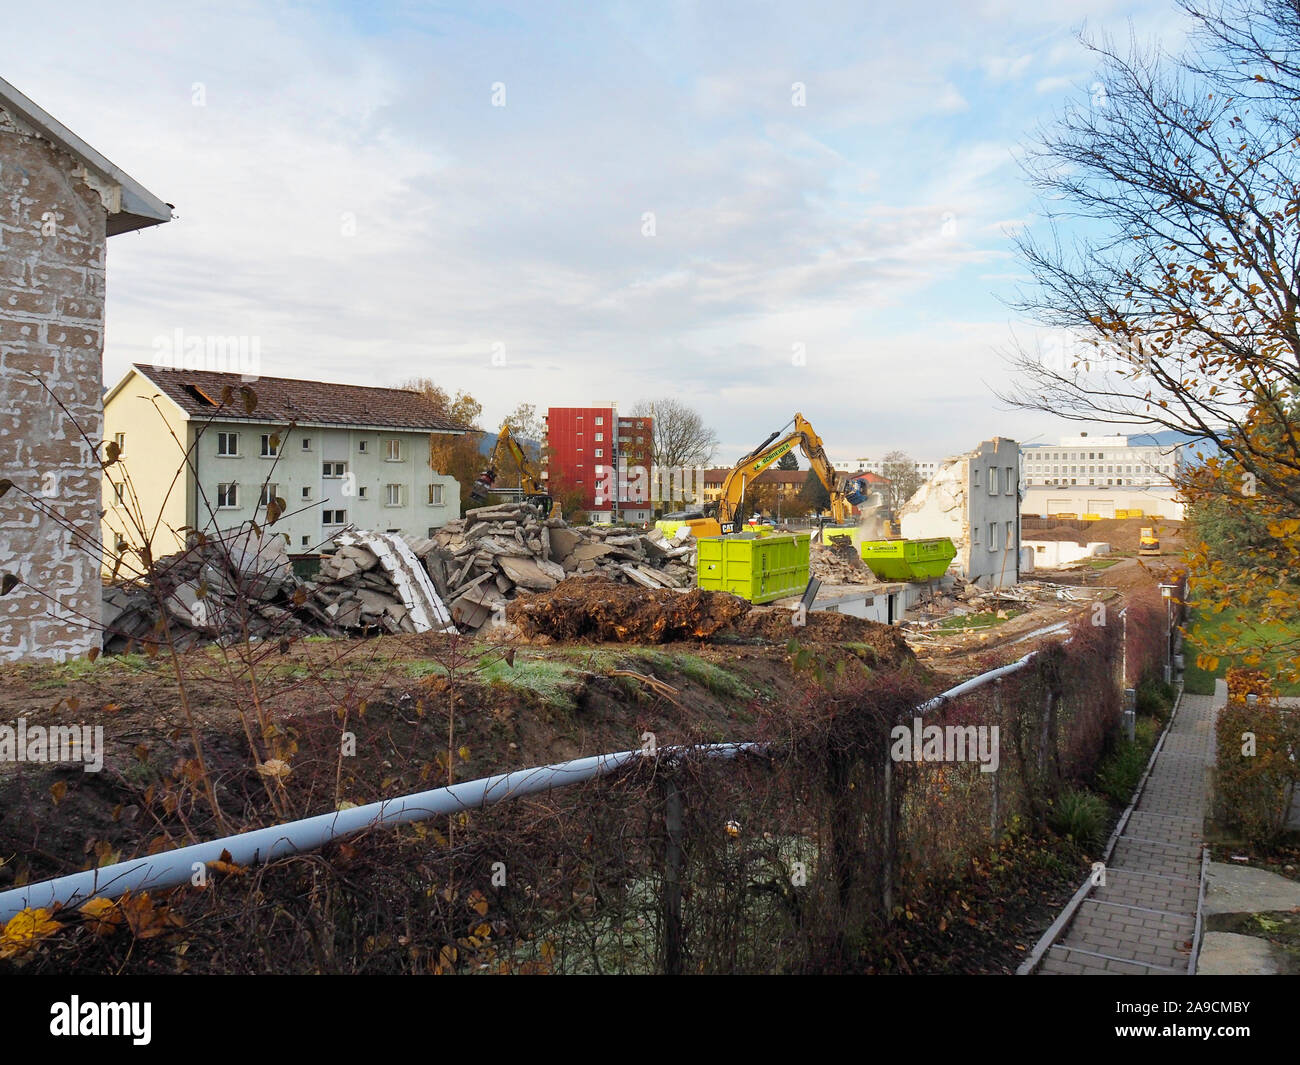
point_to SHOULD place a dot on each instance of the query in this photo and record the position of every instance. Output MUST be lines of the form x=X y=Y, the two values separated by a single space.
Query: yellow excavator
x=722 y=516
x=530 y=487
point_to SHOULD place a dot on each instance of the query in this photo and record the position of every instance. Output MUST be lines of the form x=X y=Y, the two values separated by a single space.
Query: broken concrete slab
x=1244 y=889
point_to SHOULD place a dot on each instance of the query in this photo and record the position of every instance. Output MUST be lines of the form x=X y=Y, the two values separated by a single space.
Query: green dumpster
x=908 y=560
x=757 y=568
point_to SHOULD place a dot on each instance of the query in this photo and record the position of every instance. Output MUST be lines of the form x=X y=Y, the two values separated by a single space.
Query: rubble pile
x=485 y=558
x=382 y=582
x=200 y=590
x=838 y=562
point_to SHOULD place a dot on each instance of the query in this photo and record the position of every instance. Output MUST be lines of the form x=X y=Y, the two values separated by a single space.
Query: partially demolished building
x=974 y=499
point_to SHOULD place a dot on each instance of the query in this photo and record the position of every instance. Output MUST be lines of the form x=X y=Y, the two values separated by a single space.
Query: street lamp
x=1167 y=590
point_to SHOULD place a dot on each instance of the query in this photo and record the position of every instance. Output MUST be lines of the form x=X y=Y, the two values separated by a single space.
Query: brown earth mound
x=822 y=627
x=595 y=608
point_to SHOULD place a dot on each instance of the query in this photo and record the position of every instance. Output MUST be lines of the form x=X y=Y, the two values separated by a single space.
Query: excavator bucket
x=855 y=491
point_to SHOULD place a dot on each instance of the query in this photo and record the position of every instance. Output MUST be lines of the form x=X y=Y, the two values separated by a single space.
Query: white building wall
x=975 y=501
x=359 y=490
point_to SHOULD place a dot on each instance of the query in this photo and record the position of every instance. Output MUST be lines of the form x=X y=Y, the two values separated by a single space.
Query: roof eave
x=139 y=208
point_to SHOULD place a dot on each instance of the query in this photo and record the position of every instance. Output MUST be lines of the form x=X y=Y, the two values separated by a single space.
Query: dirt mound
x=1056 y=532
x=595 y=608
x=822 y=627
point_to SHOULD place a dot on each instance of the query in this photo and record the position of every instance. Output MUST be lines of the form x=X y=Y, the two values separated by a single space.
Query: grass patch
x=708 y=675
x=1080 y=816
x=1101 y=563
x=973 y=622
x=1198 y=681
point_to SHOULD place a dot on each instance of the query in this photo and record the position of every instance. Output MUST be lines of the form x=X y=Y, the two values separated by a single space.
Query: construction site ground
x=587 y=667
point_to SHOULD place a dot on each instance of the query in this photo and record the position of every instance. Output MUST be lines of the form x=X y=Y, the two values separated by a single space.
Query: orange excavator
x=722 y=516
x=530 y=487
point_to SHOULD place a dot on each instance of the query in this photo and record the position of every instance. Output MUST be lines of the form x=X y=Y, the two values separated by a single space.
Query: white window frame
x=393 y=450
x=270 y=490
x=230 y=490
x=306 y=443
x=269 y=451
x=389 y=493
x=331 y=471
x=363 y=446
x=333 y=517
x=224 y=440
x=436 y=495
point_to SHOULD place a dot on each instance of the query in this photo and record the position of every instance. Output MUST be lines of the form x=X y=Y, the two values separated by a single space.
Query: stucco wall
x=52 y=243
x=974 y=500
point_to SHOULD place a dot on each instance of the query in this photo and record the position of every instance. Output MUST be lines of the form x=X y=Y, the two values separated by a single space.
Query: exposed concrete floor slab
x=1232 y=954
x=1242 y=889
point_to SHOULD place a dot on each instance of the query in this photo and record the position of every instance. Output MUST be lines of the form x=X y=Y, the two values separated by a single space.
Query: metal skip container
x=758 y=568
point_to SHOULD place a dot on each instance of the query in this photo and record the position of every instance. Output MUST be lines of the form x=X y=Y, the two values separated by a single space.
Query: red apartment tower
x=584 y=448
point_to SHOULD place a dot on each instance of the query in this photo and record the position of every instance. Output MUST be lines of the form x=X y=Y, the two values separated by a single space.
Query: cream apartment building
x=339 y=456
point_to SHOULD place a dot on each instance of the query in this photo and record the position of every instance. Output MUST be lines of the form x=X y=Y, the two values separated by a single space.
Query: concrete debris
x=458 y=580
x=839 y=563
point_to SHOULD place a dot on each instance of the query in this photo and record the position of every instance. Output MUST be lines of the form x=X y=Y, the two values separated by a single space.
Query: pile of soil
x=823 y=627
x=596 y=608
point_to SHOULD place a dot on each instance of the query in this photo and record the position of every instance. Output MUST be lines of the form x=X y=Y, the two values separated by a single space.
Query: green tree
x=788 y=461
x=814 y=495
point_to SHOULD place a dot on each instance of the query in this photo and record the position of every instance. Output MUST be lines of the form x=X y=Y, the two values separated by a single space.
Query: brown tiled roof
x=283 y=399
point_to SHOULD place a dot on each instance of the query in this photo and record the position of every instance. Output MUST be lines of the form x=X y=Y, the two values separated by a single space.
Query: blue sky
x=869 y=226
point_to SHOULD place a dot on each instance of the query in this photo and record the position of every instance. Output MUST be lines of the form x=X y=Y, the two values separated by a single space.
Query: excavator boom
x=845 y=492
x=530 y=487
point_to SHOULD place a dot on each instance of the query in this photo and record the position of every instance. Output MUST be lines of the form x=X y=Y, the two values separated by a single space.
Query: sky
x=757 y=209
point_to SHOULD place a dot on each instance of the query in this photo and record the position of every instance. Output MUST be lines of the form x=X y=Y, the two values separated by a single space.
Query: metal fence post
x=672 y=897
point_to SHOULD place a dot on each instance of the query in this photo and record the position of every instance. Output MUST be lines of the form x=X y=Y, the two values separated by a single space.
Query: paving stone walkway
x=1142 y=920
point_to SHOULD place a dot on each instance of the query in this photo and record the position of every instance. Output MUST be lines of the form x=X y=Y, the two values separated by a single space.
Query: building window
x=269 y=492
x=993 y=480
x=270 y=445
x=120 y=440
x=1011 y=533
x=599 y=419
x=392 y=495
x=1011 y=480
x=333 y=517
x=363 y=445
x=306 y=492
x=394 y=451
x=600 y=452
x=119 y=543
x=993 y=536
x=228 y=444
x=118 y=489
x=975 y=477
x=361 y=492
x=306 y=443
x=227 y=496
x=334 y=469
x=306 y=541
x=435 y=495
x=975 y=536
x=600 y=437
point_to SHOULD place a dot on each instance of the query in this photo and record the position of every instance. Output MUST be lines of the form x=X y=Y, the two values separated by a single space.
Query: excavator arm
x=529 y=485
x=845 y=492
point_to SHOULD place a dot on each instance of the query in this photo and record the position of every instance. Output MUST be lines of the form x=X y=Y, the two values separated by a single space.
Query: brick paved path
x=1142 y=920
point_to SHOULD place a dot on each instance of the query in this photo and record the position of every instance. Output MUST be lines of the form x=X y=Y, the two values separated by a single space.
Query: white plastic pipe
x=172 y=868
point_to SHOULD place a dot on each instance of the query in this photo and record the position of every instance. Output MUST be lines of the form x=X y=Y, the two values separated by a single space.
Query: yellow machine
x=1148 y=544
x=722 y=516
x=530 y=487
